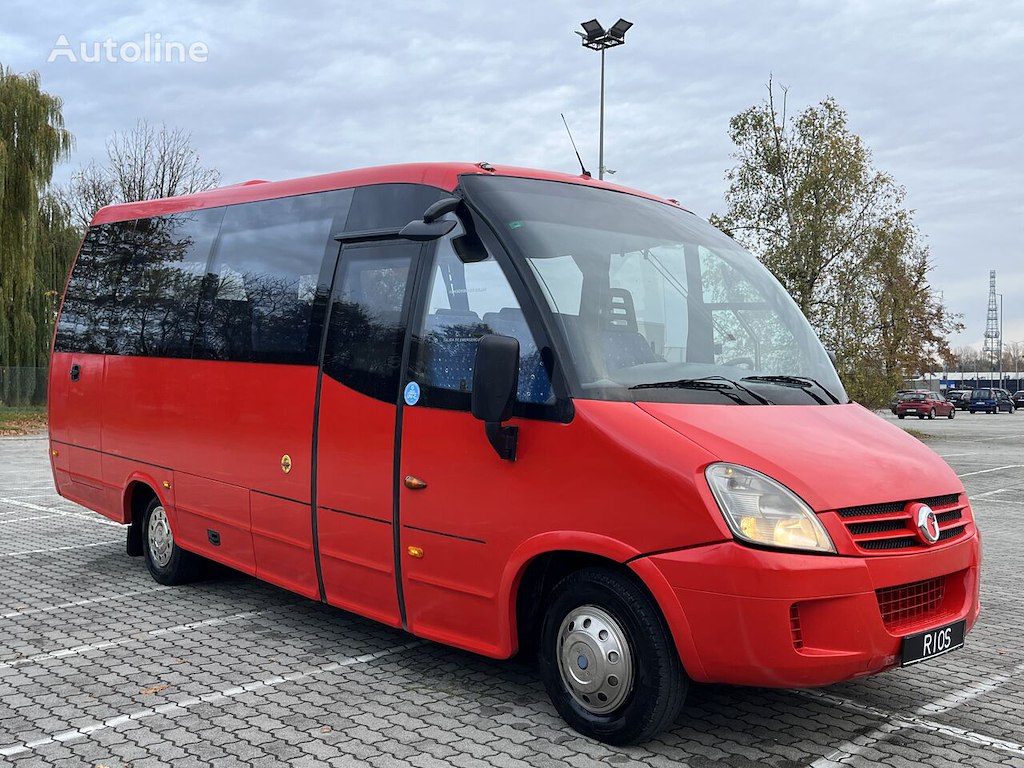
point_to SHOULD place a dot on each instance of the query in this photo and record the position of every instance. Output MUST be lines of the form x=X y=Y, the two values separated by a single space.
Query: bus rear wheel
x=607 y=658
x=168 y=563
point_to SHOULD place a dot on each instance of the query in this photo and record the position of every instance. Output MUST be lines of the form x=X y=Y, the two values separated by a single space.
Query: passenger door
x=354 y=483
x=464 y=509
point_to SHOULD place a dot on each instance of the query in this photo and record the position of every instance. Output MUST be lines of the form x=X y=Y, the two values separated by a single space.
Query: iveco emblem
x=927 y=524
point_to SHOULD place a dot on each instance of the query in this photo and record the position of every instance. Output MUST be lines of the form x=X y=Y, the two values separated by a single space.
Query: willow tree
x=805 y=198
x=32 y=140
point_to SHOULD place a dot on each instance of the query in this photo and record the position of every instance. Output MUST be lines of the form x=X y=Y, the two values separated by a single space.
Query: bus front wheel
x=168 y=563
x=607 y=658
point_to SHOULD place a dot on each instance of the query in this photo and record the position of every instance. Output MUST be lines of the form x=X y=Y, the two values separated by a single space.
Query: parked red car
x=922 y=404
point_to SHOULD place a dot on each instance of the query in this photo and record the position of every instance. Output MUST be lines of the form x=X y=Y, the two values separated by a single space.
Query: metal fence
x=21 y=387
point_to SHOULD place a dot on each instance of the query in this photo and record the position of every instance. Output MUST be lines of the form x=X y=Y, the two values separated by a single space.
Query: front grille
x=880 y=527
x=901 y=542
x=897 y=506
x=887 y=526
x=911 y=603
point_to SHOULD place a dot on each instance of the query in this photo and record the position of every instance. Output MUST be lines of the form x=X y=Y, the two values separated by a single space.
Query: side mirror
x=432 y=226
x=495 y=379
x=423 y=231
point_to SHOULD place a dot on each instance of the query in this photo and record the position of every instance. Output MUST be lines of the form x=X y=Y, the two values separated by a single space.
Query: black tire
x=654 y=681
x=931 y=414
x=177 y=567
x=952 y=413
x=902 y=416
x=921 y=417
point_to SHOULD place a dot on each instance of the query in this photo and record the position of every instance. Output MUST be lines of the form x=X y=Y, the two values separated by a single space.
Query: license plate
x=911 y=410
x=934 y=642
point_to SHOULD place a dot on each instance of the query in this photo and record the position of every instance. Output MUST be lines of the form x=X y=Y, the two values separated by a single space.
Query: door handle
x=76 y=372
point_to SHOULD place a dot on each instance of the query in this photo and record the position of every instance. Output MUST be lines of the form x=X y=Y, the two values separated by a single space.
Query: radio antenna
x=582 y=167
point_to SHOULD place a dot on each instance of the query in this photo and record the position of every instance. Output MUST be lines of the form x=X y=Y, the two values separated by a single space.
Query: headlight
x=763 y=511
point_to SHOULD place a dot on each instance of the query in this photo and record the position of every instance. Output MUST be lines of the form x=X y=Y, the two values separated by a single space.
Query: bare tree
x=145 y=163
x=91 y=187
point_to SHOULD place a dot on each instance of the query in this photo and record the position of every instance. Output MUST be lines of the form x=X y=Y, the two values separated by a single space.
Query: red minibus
x=504 y=409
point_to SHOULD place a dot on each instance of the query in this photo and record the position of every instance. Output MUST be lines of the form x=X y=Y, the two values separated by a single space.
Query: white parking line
x=59 y=549
x=79 y=650
x=175 y=707
x=83 y=518
x=951 y=455
x=993 y=469
x=896 y=722
x=990 y=493
x=83 y=515
x=77 y=603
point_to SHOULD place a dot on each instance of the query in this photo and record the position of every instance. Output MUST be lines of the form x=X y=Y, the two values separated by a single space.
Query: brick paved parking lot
x=99 y=665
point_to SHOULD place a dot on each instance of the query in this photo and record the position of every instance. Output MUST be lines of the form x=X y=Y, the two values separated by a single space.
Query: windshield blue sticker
x=412 y=393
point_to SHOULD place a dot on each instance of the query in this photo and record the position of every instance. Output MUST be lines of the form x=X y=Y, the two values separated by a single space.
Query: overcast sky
x=292 y=89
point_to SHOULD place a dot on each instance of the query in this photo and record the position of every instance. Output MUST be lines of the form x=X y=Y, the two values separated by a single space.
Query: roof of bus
x=441 y=175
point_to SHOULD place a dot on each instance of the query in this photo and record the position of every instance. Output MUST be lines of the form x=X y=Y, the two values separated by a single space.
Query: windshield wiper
x=720 y=384
x=803 y=382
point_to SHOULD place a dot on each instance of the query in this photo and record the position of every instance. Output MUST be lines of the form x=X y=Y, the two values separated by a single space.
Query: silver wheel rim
x=594 y=659
x=158 y=534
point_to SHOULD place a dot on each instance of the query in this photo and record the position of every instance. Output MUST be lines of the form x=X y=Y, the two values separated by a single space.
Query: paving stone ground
x=101 y=666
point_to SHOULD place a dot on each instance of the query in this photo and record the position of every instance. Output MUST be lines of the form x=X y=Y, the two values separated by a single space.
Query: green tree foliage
x=804 y=197
x=32 y=140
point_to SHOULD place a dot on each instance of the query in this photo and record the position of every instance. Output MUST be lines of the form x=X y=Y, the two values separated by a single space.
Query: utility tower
x=993 y=348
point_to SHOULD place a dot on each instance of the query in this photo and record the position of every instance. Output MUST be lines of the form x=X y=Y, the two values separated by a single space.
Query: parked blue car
x=990 y=400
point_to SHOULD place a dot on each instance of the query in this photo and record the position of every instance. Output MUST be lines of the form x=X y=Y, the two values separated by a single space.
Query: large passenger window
x=263 y=278
x=366 y=326
x=156 y=308
x=465 y=302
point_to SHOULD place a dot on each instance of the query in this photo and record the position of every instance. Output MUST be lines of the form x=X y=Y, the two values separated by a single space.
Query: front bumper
x=765 y=618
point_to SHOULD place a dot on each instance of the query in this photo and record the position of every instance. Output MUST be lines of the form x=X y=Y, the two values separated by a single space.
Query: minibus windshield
x=653 y=302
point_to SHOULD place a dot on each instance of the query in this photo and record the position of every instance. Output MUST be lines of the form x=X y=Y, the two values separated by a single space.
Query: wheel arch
x=139 y=491
x=540 y=563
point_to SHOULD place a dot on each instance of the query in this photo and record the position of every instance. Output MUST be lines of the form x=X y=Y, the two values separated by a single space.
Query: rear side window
x=258 y=302
x=91 y=314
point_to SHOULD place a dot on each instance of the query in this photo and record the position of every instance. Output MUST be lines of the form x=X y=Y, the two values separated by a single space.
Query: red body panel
x=440 y=175
x=481 y=519
x=821 y=454
x=737 y=602
x=621 y=481
x=355 y=502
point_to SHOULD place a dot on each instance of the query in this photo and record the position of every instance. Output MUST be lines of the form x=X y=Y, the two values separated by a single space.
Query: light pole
x=597 y=38
x=1000 y=346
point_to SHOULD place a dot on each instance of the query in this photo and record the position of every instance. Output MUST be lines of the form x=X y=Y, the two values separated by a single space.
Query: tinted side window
x=157 y=304
x=91 y=306
x=389 y=205
x=258 y=301
x=366 y=327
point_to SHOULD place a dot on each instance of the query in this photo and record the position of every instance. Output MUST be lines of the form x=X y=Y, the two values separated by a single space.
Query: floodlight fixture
x=597 y=38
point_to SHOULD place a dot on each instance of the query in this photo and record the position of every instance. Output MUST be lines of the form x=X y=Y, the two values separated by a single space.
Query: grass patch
x=922 y=436
x=29 y=420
